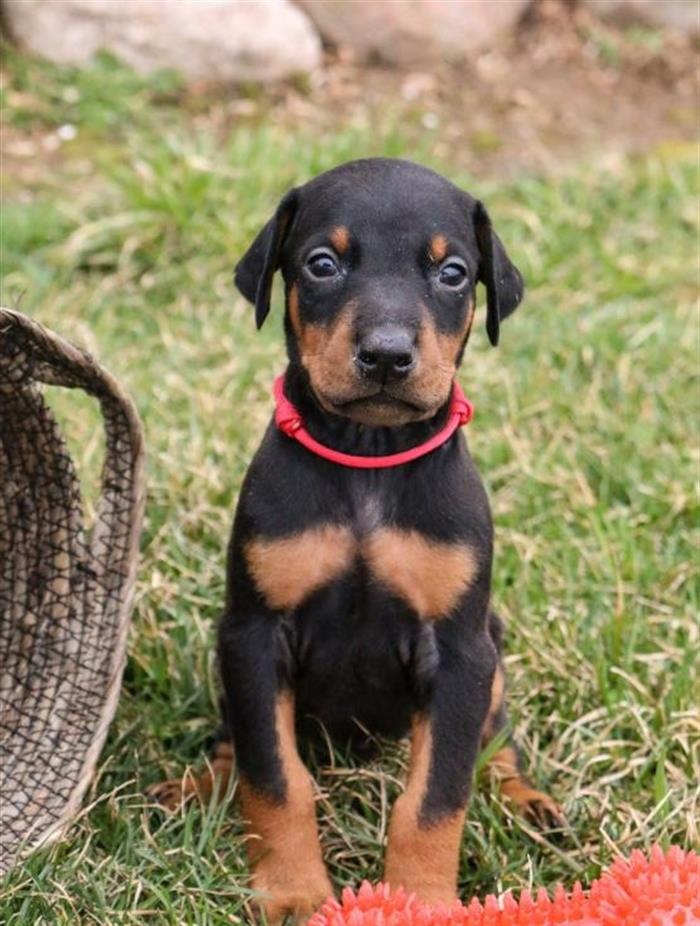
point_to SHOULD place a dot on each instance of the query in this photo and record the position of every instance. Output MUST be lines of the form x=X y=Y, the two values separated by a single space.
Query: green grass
x=586 y=434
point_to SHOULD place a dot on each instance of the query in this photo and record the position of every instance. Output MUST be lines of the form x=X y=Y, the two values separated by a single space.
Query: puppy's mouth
x=381 y=397
x=380 y=408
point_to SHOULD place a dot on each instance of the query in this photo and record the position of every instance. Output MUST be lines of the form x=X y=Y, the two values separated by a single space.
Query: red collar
x=289 y=421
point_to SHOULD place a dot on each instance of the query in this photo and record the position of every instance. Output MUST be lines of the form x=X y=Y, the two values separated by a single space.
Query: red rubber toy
x=663 y=890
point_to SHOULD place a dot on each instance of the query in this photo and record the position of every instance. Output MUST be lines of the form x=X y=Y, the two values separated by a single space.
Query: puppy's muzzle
x=386 y=354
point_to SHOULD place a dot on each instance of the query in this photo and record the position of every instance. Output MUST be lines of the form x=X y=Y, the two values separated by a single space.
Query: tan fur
x=283 y=846
x=340 y=239
x=437 y=362
x=321 y=347
x=287 y=570
x=326 y=353
x=437 y=248
x=309 y=337
x=429 y=575
x=422 y=858
x=517 y=789
x=213 y=780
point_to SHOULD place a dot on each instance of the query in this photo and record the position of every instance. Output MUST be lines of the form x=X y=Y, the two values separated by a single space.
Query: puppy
x=358 y=595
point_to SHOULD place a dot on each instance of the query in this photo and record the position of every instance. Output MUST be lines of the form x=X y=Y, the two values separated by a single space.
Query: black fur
x=359 y=660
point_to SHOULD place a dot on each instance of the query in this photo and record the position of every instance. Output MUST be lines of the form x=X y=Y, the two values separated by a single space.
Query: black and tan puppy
x=359 y=599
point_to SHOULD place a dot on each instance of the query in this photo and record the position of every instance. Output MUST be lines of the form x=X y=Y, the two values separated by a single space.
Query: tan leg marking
x=283 y=846
x=340 y=239
x=287 y=570
x=538 y=807
x=437 y=249
x=423 y=858
x=214 y=780
x=429 y=575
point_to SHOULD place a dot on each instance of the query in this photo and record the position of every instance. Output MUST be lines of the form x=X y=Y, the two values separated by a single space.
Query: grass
x=586 y=434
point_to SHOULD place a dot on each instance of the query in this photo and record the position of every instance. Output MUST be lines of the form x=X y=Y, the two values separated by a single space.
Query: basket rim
x=56 y=361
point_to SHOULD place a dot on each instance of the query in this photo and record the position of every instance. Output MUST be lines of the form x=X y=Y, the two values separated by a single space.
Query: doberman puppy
x=359 y=599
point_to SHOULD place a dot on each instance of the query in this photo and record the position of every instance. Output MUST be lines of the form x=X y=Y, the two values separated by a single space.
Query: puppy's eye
x=452 y=273
x=322 y=265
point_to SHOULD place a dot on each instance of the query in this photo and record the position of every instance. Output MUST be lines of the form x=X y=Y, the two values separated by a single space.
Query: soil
x=566 y=88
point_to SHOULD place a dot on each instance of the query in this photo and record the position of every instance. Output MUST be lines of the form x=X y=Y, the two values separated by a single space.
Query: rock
x=675 y=14
x=411 y=32
x=206 y=40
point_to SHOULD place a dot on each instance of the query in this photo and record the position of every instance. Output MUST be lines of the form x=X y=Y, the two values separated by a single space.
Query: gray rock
x=411 y=32
x=675 y=14
x=206 y=40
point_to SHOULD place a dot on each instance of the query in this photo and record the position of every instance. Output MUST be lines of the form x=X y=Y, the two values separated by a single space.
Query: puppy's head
x=380 y=260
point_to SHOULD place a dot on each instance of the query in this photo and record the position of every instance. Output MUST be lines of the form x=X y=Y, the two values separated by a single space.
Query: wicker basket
x=65 y=596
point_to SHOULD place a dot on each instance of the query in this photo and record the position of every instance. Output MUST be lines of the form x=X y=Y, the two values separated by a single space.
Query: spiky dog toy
x=662 y=890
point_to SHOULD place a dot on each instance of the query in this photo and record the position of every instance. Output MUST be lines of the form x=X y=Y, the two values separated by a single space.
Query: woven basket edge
x=92 y=374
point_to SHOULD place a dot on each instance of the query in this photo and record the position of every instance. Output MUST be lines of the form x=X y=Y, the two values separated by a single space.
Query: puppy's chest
x=428 y=575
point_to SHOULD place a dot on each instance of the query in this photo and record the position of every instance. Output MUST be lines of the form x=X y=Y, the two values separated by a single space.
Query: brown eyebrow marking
x=437 y=249
x=340 y=238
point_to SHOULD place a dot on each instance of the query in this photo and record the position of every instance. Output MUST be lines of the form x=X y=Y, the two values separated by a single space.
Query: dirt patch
x=566 y=88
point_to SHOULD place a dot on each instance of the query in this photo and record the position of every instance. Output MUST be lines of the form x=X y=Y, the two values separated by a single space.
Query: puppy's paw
x=173 y=794
x=293 y=890
x=211 y=783
x=535 y=806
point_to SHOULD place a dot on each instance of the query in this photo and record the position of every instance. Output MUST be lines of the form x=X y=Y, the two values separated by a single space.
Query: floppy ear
x=255 y=270
x=502 y=279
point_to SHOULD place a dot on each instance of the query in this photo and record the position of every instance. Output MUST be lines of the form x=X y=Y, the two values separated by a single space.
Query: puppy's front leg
x=276 y=788
x=426 y=824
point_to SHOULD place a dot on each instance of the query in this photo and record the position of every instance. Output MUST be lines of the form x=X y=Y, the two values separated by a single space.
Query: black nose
x=386 y=353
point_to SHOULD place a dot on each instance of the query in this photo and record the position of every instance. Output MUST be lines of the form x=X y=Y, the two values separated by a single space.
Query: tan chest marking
x=287 y=570
x=429 y=575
